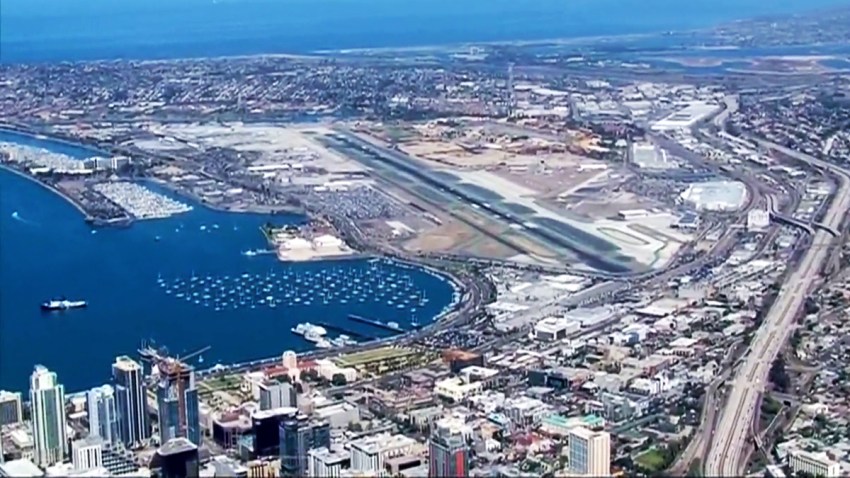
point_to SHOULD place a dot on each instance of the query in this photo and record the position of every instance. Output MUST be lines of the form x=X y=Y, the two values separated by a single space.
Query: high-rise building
x=299 y=435
x=176 y=458
x=47 y=397
x=11 y=409
x=277 y=395
x=87 y=453
x=131 y=402
x=265 y=426
x=103 y=414
x=590 y=452
x=324 y=463
x=448 y=453
x=177 y=403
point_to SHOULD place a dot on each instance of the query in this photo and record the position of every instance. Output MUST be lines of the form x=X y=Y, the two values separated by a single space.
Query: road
x=727 y=453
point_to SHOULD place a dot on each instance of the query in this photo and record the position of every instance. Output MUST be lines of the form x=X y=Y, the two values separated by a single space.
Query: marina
x=129 y=289
x=293 y=288
x=139 y=201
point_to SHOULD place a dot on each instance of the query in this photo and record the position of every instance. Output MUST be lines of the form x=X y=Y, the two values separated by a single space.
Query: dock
x=376 y=323
x=343 y=330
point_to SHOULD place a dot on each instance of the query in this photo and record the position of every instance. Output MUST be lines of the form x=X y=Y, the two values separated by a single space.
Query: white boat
x=312 y=336
x=301 y=329
x=63 y=304
x=323 y=344
x=310 y=332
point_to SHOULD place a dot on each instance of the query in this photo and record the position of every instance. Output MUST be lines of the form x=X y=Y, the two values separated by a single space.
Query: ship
x=311 y=332
x=63 y=304
x=323 y=344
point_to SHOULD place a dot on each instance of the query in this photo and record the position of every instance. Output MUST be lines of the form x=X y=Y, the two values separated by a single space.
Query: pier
x=376 y=323
x=343 y=330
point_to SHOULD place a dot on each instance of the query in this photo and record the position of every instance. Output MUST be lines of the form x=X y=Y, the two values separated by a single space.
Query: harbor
x=389 y=326
x=336 y=285
x=139 y=201
x=139 y=288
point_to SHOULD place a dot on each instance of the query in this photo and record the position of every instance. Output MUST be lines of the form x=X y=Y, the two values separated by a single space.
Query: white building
x=589 y=452
x=456 y=389
x=686 y=117
x=273 y=395
x=647 y=156
x=297 y=244
x=554 y=328
x=369 y=454
x=758 y=220
x=815 y=464
x=22 y=468
x=327 y=369
x=87 y=453
x=47 y=397
x=324 y=463
x=327 y=242
x=720 y=196
x=526 y=411
x=290 y=359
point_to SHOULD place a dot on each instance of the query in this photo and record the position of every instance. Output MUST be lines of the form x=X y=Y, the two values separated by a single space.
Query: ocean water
x=131 y=281
x=67 y=30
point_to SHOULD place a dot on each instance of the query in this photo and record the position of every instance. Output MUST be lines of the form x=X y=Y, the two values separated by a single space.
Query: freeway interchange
x=727 y=454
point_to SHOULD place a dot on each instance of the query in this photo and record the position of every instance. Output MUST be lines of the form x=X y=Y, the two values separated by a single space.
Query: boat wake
x=16 y=216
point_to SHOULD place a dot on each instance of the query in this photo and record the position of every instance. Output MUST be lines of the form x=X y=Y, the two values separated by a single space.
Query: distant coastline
x=261 y=32
x=69 y=199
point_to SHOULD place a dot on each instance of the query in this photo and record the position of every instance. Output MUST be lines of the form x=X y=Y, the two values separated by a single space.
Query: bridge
x=808 y=227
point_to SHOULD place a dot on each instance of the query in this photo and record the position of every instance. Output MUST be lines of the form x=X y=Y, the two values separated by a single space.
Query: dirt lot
x=444 y=238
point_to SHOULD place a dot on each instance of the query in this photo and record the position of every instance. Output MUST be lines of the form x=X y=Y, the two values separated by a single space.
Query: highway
x=728 y=450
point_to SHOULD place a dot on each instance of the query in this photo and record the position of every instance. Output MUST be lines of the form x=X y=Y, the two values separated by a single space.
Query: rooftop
x=176 y=445
x=22 y=468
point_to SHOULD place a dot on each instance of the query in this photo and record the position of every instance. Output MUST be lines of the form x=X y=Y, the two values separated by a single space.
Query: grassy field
x=360 y=358
x=652 y=460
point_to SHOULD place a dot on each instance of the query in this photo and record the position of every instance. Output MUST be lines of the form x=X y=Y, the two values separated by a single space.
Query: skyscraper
x=103 y=416
x=87 y=453
x=277 y=395
x=590 y=452
x=47 y=397
x=448 y=454
x=176 y=458
x=11 y=410
x=298 y=436
x=265 y=426
x=131 y=401
x=177 y=403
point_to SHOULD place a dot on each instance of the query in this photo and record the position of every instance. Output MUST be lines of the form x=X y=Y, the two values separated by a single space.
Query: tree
x=778 y=376
x=338 y=380
x=309 y=375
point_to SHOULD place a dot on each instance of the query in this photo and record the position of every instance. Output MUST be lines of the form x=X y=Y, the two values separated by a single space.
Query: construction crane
x=177 y=367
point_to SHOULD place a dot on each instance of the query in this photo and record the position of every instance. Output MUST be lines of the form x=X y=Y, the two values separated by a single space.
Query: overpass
x=790 y=221
x=807 y=227
x=729 y=449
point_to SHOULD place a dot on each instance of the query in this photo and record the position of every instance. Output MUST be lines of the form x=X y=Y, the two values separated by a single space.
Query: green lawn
x=652 y=460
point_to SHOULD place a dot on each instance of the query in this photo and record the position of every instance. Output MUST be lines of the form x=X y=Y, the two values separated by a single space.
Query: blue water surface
x=48 y=250
x=51 y=30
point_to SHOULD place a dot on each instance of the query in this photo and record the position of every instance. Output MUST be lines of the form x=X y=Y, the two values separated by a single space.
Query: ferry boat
x=311 y=332
x=63 y=304
x=315 y=334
